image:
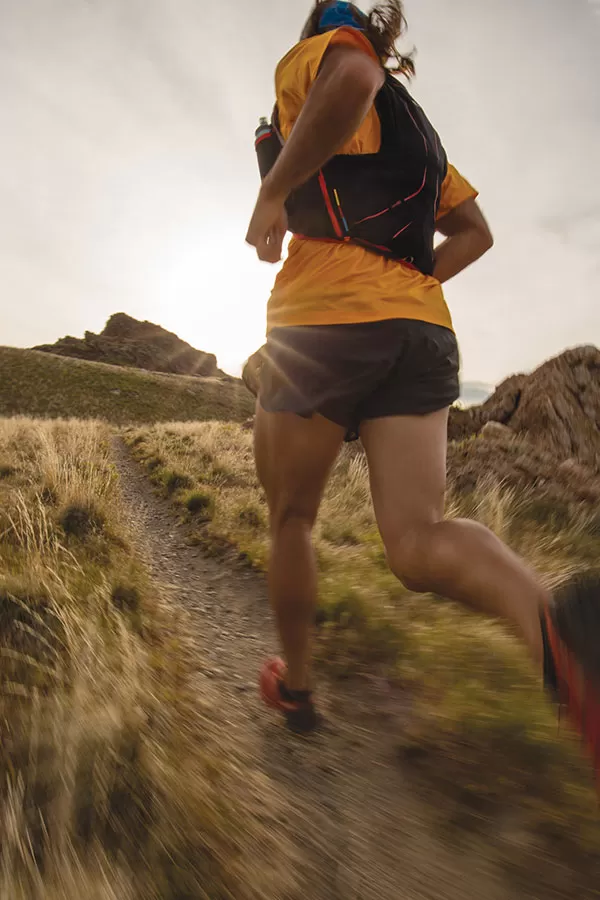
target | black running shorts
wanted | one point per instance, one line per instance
(349, 373)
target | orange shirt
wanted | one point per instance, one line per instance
(325, 283)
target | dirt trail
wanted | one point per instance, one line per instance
(360, 830)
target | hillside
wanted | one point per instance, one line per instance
(125, 341)
(42, 384)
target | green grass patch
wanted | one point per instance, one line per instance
(174, 481)
(252, 516)
(41, 384)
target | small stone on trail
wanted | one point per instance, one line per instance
(214, 673)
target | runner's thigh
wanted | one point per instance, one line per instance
(407, 469)
(294, 456)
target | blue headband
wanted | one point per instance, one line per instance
(338, 15)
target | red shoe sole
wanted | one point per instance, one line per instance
(583, 703)
(271, 674)
(302, 719)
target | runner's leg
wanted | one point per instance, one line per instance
(460, 559)
(294, 456)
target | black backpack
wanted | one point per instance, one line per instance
(386, 202)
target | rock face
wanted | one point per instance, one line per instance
(128, 342)
(557, 408)
(527, 468)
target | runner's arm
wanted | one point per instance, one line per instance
(336, 106)
(468, 237)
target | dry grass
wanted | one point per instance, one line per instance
(41, 384)
(481, 731)
(116, 779)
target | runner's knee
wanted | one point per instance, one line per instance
(298, 509)
(416, 556)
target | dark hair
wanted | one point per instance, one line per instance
(383, 26)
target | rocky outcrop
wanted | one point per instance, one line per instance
(125, 341)
(501, 456)
(500, 407)
(557, 408)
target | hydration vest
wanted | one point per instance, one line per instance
(386, 202)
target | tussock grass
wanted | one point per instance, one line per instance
(116, 776)
(480, 731)
(199, 503)
(41, 384)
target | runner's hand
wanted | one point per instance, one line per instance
(268, 226)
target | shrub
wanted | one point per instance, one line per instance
(252, 516)
(175, 481)
(126, 598)
(198, 503)
(81, 521)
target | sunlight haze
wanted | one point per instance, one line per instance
(128, 172)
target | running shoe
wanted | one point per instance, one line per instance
(571, 633)
(297, 706)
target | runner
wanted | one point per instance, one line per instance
(360, 341)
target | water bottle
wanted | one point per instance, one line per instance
(267, 145)
(263, 128)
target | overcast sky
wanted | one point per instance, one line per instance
(127, 169)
